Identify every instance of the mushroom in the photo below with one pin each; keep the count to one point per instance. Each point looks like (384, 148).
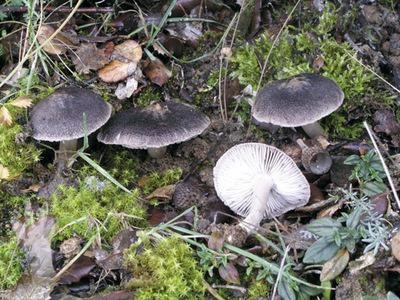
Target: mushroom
(315, 159)
(155, 127)
(301, 100)
(60, 117)
(257, 180)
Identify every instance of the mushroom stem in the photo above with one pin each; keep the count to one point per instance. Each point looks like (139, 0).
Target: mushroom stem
(262, 189)
(313, 130)
(65, 151)
(157, 152)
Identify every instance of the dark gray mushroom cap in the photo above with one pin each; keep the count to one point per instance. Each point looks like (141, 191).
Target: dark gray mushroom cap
(59, 117)
(156, 126)
(297, 101)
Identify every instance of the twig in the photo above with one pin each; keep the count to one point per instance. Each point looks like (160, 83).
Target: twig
(212, 291)
(84, 10)
(371, 136)
(231, 287)
(278, 279)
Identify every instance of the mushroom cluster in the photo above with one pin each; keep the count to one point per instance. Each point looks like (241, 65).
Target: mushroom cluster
(257, 180)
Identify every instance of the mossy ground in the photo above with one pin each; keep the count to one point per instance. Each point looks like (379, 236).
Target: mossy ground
(11, 257)
(315, 49)
(165, 270)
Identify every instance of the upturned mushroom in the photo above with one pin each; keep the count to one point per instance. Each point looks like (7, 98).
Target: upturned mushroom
(60, 117)
(301, 100)
(259, 181)
(155, 127)
(314, 158)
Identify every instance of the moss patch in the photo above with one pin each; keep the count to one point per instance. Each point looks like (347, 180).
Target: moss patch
(87, 211)
(165, 271)
(156, 180)
(16, 157)
(11, 257)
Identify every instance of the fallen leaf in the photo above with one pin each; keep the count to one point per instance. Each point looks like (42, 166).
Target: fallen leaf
(5, 116)
(396, 246)
(126, 90)
(318, 63)
(35, 239)
(58, 45)
(156, 71)
(216, 240)
(300, 238)
(117, 71)
(329, 211)
(88, 57)
(362, 262)
(387, 123)
(79, 269)
(163, 193)
(229, 273)
(335, 266)
(31, 287)
(123, 240)
(23, 102)
(4, 173)
(316, 194)
(129, 50)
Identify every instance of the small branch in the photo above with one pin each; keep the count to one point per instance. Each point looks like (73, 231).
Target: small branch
(63, 9)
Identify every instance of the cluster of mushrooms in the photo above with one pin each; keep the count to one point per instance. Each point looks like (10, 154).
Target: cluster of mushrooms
(255, 180)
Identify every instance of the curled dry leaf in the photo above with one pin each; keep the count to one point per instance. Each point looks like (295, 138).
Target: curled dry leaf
(216, 240)
(117, 71)
(163, 193)
(156, 71)
(335, 265)
(71, 246)
(396, 246)
(4, 173)
(229, 273)
(386, 122)
(126, 90)
(58, 45)
(23, 102)
(5, 116)
(128, 51)
(79, 269)
(88, 57)
(362, 262)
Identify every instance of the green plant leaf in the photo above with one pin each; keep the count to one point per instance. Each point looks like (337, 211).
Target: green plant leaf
(285, 291)
(324, 227)
(320, 251)
(374, 187)
(354, 218)
(352, 160)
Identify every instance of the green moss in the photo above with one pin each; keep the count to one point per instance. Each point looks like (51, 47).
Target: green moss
(147, 96)
(16, 157)
(165, 271)
(157, 180)
(11, 257)
(295, 53)
(258, 289)
(86, 211)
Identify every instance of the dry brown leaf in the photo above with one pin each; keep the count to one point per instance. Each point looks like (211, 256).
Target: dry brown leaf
(4, 173)
(88, 57)
(129, 50)
(5, 116)
(32, 188)
(163, 193)
(336, 265)
(23, 102)
(396, 246)
(329, 211)
(229, 273)
(362, 262)
(156, 71)
(58, 45)
(116, 71)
